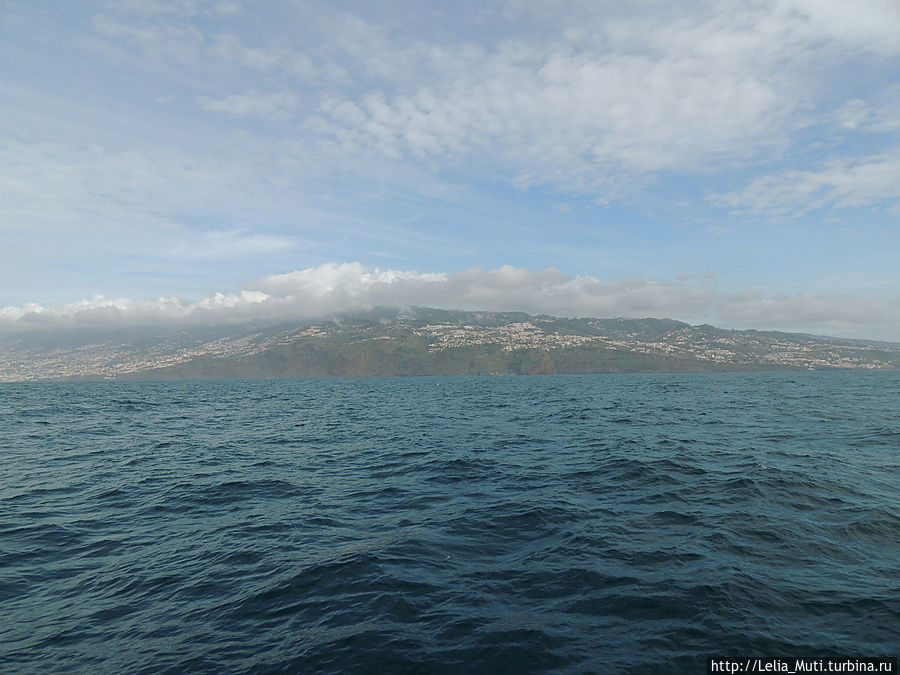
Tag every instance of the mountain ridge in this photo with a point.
(427, 341)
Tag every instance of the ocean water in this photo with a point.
(603, 523)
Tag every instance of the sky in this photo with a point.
(166, 161)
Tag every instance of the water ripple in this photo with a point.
(629, 523)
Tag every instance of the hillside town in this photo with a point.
(722, 349)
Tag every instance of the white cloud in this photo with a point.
(870, 25)
(571, 115)
(252, 104)
(600, 97)
(834, 313)
(237, 243)
(333, 288)
(172, 40)
(89, 187)
(880, 116)
(583, 97)
(839, 183)
(101, 312)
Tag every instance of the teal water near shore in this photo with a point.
(598, 523)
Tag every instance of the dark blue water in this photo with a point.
(621, 523)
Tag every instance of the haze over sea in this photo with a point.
(612, 523)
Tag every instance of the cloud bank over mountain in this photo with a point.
(336, 288)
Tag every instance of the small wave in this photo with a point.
(584, 524)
